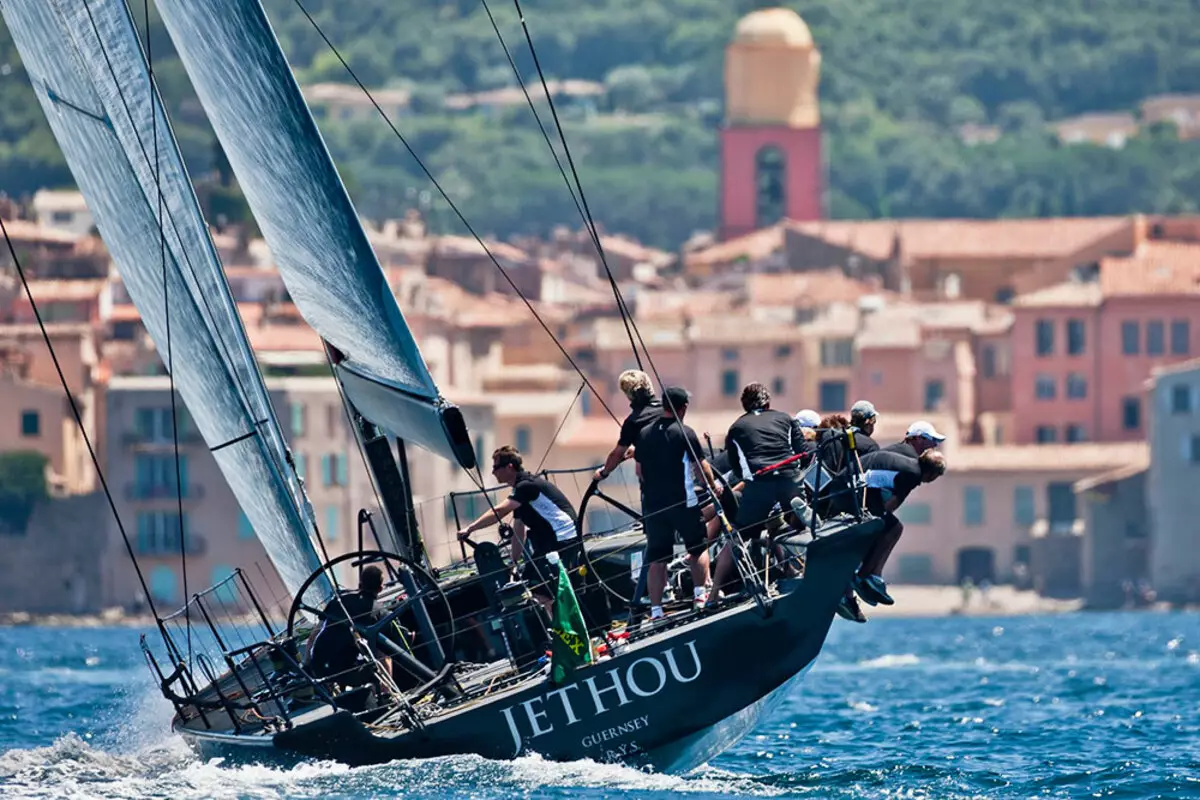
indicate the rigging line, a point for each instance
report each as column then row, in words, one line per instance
column 211, row 318
column 558, row 430
column 586, row 210
column 588, row 223
column 87, row 440
column 162, row 250
column 698, row 457
column 454, row 207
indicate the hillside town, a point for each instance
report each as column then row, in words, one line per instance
column 1059, row 356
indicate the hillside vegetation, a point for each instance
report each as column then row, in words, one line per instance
column 897, row 82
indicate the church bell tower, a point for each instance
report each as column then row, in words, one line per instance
column 771, row 165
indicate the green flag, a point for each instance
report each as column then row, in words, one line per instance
column 570, row 645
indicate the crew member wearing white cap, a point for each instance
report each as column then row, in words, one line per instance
column 921, row 436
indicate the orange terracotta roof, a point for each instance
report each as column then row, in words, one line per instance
column 752, row 246
column 966, row 238
column 1155, row 268
column 1070, row 294
column 124, row 312
column 467, row 246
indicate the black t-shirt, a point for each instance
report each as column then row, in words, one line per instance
column 334, row 643
column 761, row 438
column 666, row 452
column 640, row 415
column 547, row 514
column 892, row 473
column 903, row 448
column 864, row 444
column 720, row 462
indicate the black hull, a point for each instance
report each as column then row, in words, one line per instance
column 672, row 701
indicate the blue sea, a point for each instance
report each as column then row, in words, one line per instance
column 1083, row 705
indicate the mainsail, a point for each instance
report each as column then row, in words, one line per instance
column 256, row 108
column 87, row 69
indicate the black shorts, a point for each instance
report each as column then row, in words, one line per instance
column 660, row 528
column 875, row 504
column 761, row 495
column 542, row 577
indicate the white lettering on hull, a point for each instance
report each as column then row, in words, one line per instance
column 614, row 688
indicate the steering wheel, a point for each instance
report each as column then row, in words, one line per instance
column 426, row 588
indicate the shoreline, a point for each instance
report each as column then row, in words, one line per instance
column 912, row 602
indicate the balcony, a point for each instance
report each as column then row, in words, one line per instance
column 139, row 491
column 197, row 545
column 138, row 439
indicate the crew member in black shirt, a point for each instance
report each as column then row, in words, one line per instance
column 921, row 436
column 334, row 649
column 545, row 523
column 671, row 464
column 760, row 438
column 890, row 478
column 863, row 417
column 644, row 408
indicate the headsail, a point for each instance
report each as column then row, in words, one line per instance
column 87, row 69
column 256, row 108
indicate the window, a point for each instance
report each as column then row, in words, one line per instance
column 987, row 360
column 331, row 420
column 777, row 386
column 1061, row 502
column 298, row 419
column 343, row 469
column 729, row 383
column 915, row 513
column 327, row 469
column 524, row 439
column 245, row 529
column 1022, row 554
column 1181, row 336
column 332, row 513
column 1181, row 399
column 915, row 567
column 1045, row 337
column 935, row 392
column 31, row 424
column 1156, row 336
column 972, row 505
column 1046, row 434
column 1193, row 449
column 1044, row 387
column 1076, row 386
column 1131, row 413
column 1075, row 433
column 585, row 405
column 158, row 532
column 153, row 424
column 831, row 395
column 1076, row 337
column 1023, row 511
column 770, row 172
column 729, row 355
column 783, row 351
column 837, row 352
column 61, row 217
column 155, row 475
column 1130, row 338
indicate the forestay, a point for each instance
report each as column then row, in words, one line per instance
column 88, row 72
column 283, row 167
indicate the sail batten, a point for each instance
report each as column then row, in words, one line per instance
column 316, row 239
column 87, row 56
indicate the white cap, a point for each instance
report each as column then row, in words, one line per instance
column 925, row 429
column 808, row 418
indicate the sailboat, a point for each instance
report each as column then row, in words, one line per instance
column 472, row 676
